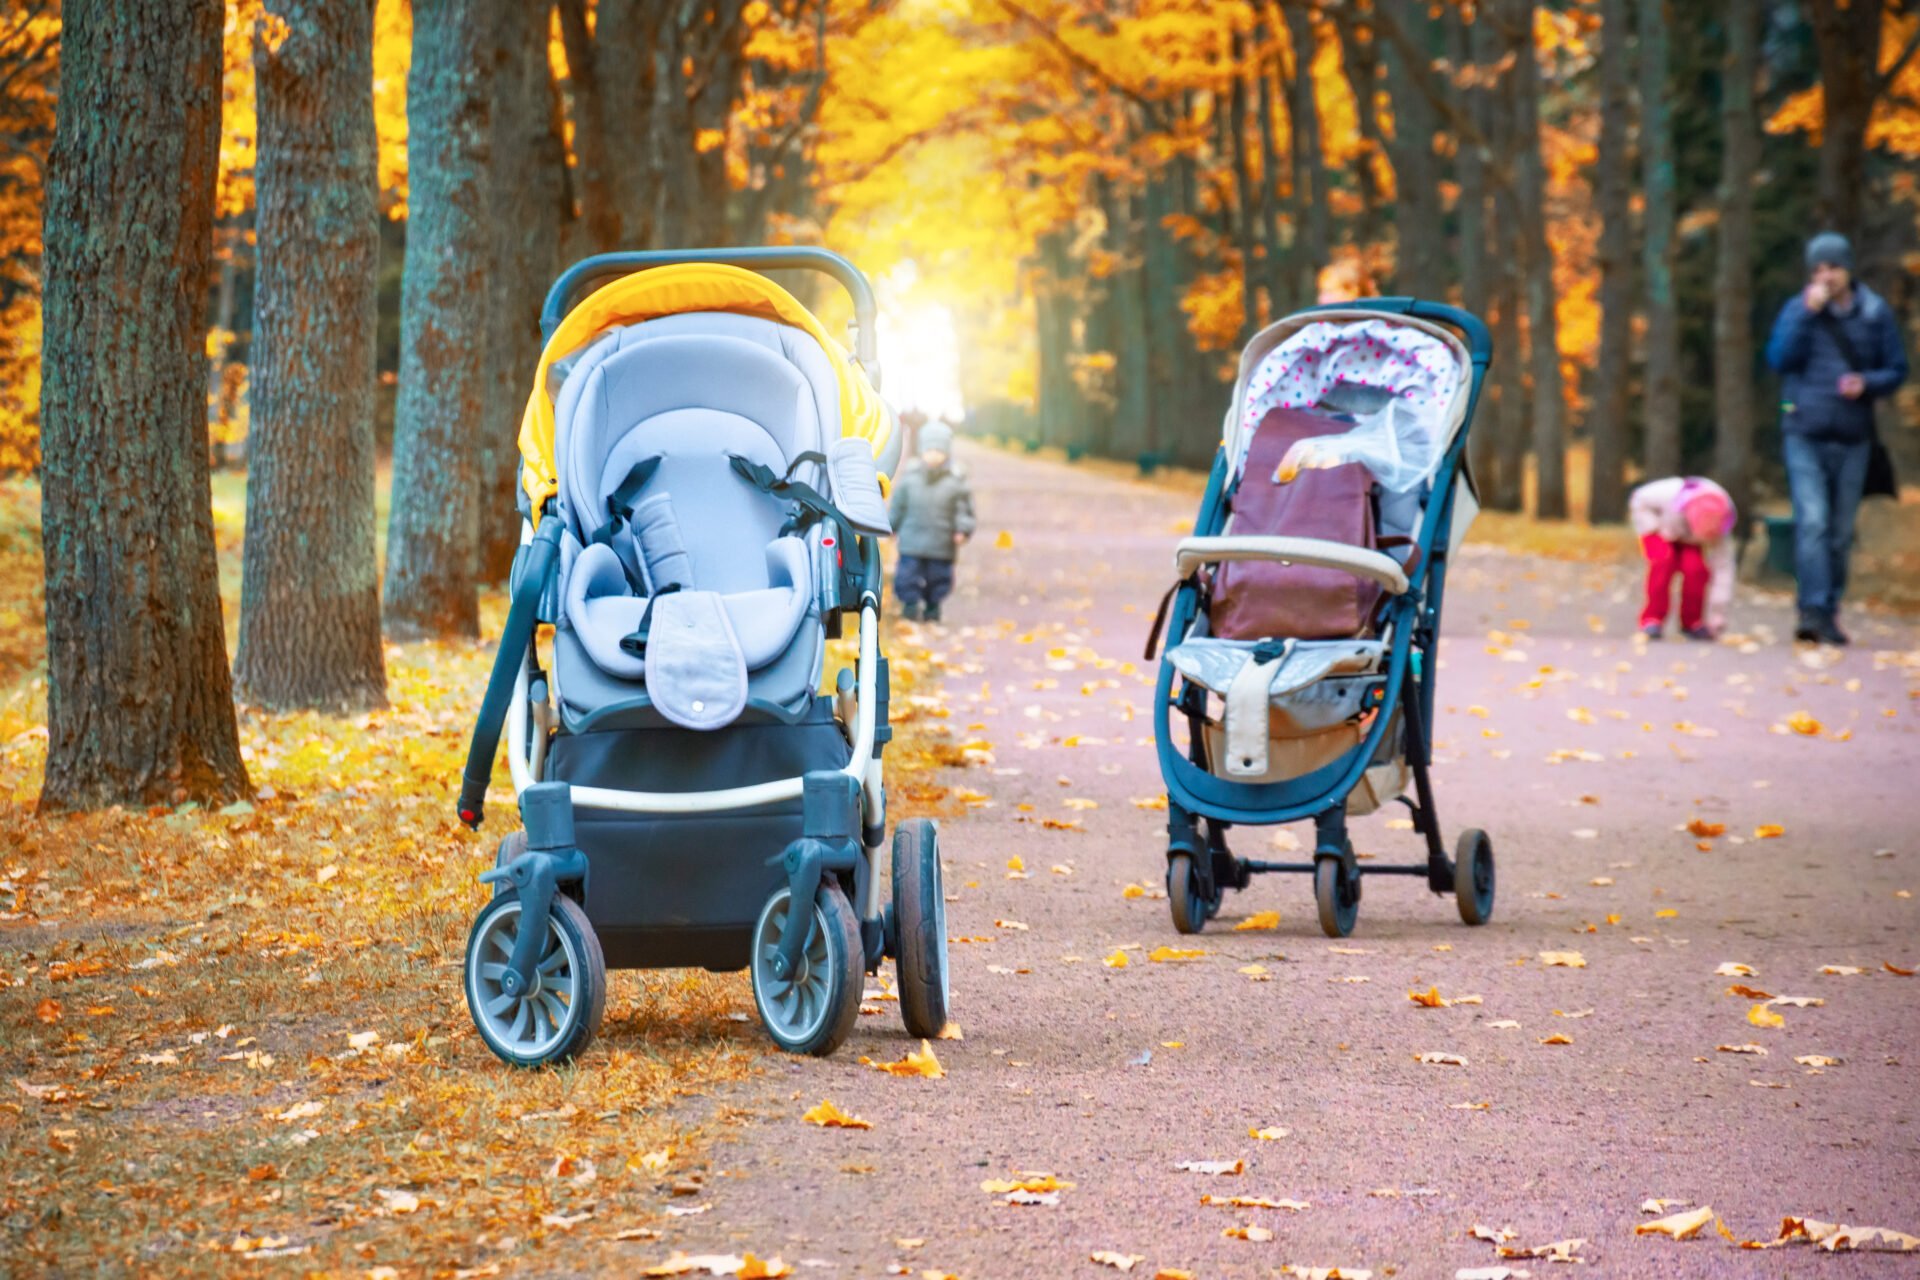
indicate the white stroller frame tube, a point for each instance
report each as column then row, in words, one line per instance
column 525, row 766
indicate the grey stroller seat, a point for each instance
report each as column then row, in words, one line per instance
column 689, row 585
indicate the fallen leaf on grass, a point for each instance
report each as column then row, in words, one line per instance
column 1259, row 921
column 1761, row 1016
column 1563, row 960
column 1162, row 955
column 828, row 1116
column 565, row 1221
column 1441, row 1059
column 48, row 1011
column 1254, row 1202
column 398, row 1201
column 636, row 1233
column 1733, row 969
column 1118, row 1261
column 651, row 1161
column 1681, row 1226
column 1213, row 1168
column 923, row 1063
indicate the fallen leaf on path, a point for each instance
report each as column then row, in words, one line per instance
column 1897, row 970
column 1762, row 1016
column 1172, row 1273
column 1748, row 993
column 1842, row 970
column 1557, row 1251
column 1818, row 1060
column 828, row 1116
column 1003, row 541
column 1258, row 921
column 1681, row 1226
column 1601, row 882
column 1118, row 960
column 1742, row 1048
column 1256, row 972
column 1429, row 999
column 1503, row 1024
column 1734, row 969
column 1254, row 1202
column 1162, row 955
column 1150, row 802
column 1441, row 1059
column 1299, row 1272
column 1836, row 1238
column 1032, row 1183
column 1659, row 1206
column 636, row 1233
column 1268, row 1135
column 951, row 1032
column 1032, row 1197
column 923, row 1063
column 1257, row 1234
column 1481, row 1232
column 1016, row 863
column 1799, row 1002
column 1704, row 830
column 1213, row 1168
column 1803, row 723
column 1118, row 1261
column 1014, row 925
column 1557, row 1037
column 1491, row 1273
column 1469, row 1106
column 1563, row 960
column 1769, row 831
column 720, row 1264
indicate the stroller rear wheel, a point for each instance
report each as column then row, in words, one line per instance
column 1473, row 875
column 1193, row 901
column 1337, row 895
column 920, row 918
column 556, row 1019
column 813, row 1009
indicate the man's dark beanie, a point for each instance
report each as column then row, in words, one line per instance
column 1830, row 248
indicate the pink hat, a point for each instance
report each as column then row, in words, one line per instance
column 1709, row 515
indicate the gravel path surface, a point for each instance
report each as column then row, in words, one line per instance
column 1582, row 751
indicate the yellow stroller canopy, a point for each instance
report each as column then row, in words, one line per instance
column 672, row 290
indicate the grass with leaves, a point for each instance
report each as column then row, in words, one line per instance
column 240, row 1032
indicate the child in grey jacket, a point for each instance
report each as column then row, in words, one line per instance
column 932, row 513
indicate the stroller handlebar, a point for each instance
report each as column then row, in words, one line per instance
column 577, row 281
column 1479, row 343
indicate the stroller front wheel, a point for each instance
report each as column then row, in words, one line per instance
column 1473, row 876
column 556, row 1019
column 1191, row 902
column 812, row 1010
column 1337, row 895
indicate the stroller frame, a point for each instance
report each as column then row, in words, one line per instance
column 844, row 810
column 1200, row 868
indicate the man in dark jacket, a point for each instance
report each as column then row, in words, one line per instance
column 932, row 514
column 1836, row 346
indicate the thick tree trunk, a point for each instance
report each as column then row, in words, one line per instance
column 1610, row 405
column 1656, row 251
column 1507, row 487
column 1471, row 43
column 1543, row 328
column 1419, row 229
column 310, row 590
column 1132, row 434
column 600, row 194
column 1246, row 202
column 1309, row 165
column 1358, row 58
column 139, row 703
column 1733, row 372
column 1059, row 396
column 527, row 194
column 432, row 532
column 1273, row 270
column 1847, row 33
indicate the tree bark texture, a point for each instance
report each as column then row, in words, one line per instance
column 1505, row 488
column 1359, row 58
column 139, row 702
column 1662, row 391
column 1610, row 404
column 1543, row 327
column 310, row 590
column 433, row 527
column 1419, row 229
column 1733, row 371
column 528, row 182
column 598, row 190
column 1471, row 44
column 1309, row 166
column 1847, row 35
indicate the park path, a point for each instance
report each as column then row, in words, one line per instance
column 1583, row 751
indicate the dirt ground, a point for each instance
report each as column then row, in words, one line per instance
column 1585, row 753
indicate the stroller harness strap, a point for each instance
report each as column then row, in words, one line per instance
column 811, row 506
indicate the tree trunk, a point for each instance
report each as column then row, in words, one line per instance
column 527, row 193
column 1419, row 227
column 310, row 590
column 1245, row 200
column 139, row 702
column 1847, row 33
column 1656, row 252
column 1309, row 166
column 594, row 173
column 1059, row 394
column 1359, row 59
column 1607, row 419
column 1471, row 43
column 1733, row 372
column 1543, row 328
column 433, row 528
column 1507, row 490
column 1272, row 271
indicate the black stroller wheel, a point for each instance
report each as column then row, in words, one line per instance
column 813, row 1009
column 1187, row 896
column 1337, row 895
column 1473, row 875
column 920, row 916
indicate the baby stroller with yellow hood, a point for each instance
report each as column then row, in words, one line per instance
column 703, row 498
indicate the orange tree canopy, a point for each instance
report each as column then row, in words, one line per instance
column 663, row 291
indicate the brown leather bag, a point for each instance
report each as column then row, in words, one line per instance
column 1255, row 599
